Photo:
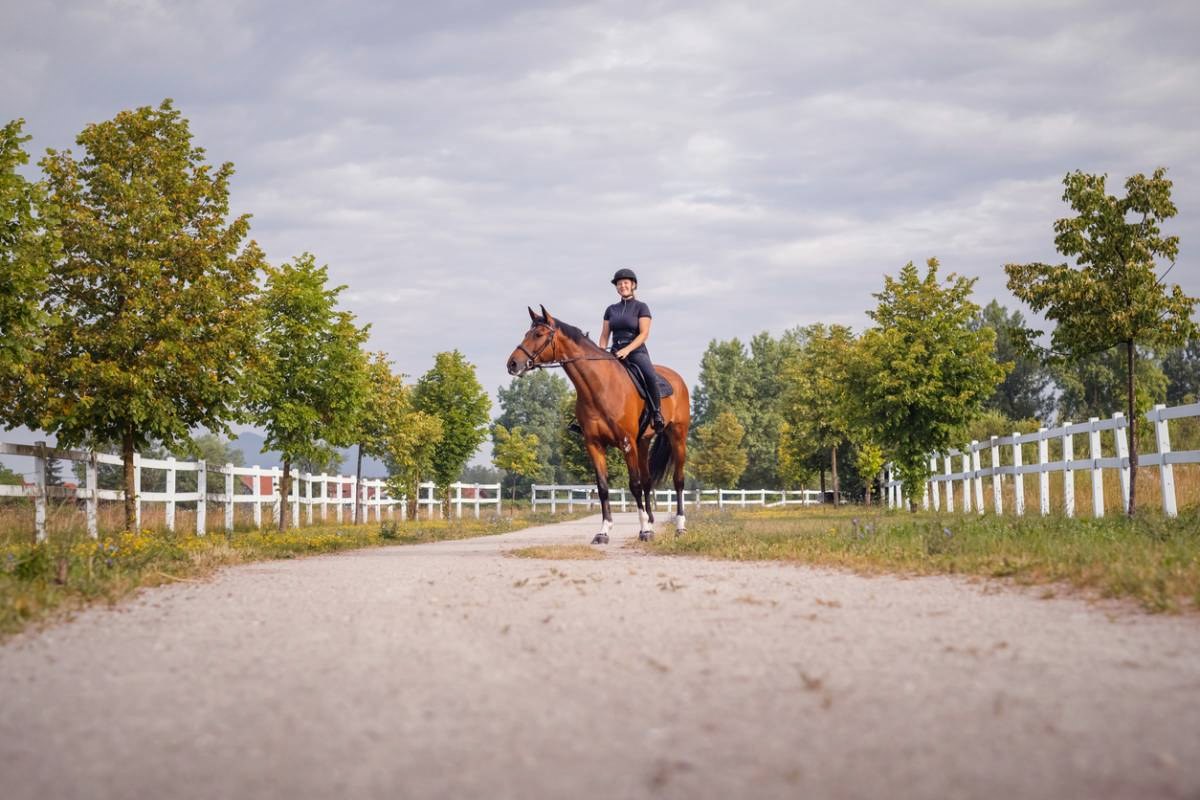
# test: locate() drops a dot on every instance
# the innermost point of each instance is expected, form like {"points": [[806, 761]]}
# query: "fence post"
{"points": [[137, 490], [937, 486], [458, 487], [294, 499], [201, 497], [1018, 476], [324, 497], [93, 497], [1121, 437], [1043, 473], [975, 466], [946, 469], [477, 500], [924, 495], [1068, 454], [257, 477], [554, 500], [997, 495], [170, 510], [276, 501], [1097, 473], [39, 488], [966, 481], [1166, 472], [229, 497], [341, 497], [309, 496]]}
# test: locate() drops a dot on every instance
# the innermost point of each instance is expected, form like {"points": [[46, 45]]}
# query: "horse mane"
{"points": [[579, 337]]}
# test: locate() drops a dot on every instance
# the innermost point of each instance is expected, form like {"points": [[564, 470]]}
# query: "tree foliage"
{"points": [[1094, 385], [922, 372], [153, 300], [28, 245], [313, 382], [450, 392], [1114, 294], [534, 404], [1182, 370], [515, 452], [1025, 391], [718, 458]]}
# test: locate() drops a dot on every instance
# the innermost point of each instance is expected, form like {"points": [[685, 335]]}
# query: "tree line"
{"points": [[134, 310]]}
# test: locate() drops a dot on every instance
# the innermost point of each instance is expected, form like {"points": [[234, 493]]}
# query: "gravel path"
{"points": [[449, 670]]}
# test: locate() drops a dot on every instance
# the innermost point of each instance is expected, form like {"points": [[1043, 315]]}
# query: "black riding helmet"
{"points": [[623, 273]]}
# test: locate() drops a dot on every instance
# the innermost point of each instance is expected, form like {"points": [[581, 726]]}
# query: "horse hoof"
{"points": [[646, 536], [600, 538]]}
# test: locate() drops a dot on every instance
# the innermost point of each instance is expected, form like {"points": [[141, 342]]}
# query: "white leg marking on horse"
{"points": [[606, 528], [680, 523], [643, 520]]}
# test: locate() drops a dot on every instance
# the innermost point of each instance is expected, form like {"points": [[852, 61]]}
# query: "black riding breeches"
{"points": [[641, 359]]}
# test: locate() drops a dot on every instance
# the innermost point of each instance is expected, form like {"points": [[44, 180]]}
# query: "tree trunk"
{"points": [[822, 484], [1133, 452], [131, 499], [285, 490], [833, 469], [358, 489]]}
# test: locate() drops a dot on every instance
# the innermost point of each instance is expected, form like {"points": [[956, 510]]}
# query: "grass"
{"points": [[1152, 559], [566, 552], [71, 570]]}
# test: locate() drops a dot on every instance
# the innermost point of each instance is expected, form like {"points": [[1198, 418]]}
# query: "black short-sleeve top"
{"points": [[622, 318]]}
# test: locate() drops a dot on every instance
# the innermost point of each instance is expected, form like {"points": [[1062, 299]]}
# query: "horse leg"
{"points": [[647, 483], [600, 462], [639, 484], [679, 443]]}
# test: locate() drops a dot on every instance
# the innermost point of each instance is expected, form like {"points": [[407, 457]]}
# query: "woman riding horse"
{"points": [[609, 412]]}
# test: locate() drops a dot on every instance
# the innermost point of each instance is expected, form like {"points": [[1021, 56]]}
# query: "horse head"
{"points": [[537, 348]]}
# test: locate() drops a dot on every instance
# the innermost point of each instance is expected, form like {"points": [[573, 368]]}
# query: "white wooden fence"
{"points": [[567, 496], [965, 467], [322, 493]]}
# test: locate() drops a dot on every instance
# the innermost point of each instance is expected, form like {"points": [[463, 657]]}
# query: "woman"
{"points": [[628, 320]]}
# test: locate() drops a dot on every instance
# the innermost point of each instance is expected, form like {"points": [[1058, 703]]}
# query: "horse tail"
{"points": [[661, 457]]}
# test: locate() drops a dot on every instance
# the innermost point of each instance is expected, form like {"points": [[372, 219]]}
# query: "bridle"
{"points": [[531, 362]]}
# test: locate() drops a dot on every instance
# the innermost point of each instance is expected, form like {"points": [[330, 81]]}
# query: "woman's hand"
{"points": [[624, 351]]}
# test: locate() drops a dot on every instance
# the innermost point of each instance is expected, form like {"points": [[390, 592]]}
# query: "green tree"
{"points": [[813, 398], [1094, 385], [451, 392], [719, 459], [516, 453], [921, 372], [724, 382], [1116, 295], [1182, 369], [576, 463], [1025, 391], [312, 384], [409, 442], [28, 245], [533, 403], [10, 478], [154, 297], [214, 450]]}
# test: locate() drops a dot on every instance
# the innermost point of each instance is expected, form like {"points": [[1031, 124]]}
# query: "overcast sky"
{"points": [[760, 165]]}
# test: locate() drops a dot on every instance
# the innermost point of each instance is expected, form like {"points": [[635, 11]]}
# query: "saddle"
{"points": [[664, 388]]}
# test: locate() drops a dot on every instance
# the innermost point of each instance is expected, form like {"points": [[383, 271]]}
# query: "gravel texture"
{"points": [[450, 670]]}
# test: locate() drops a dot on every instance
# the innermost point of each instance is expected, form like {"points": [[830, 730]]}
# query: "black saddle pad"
{"points": [[664, 388]]}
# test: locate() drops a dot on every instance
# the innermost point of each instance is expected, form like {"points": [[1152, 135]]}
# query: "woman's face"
{"points": [[625, 287]]}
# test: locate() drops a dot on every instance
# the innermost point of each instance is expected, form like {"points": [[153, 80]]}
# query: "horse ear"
{"points": [[532, 314], [546, 315]]}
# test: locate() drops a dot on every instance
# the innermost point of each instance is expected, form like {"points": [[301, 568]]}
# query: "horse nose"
{"points": [[512, 366]]}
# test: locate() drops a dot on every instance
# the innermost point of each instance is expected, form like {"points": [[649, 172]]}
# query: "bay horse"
{"points": [[609, 410]]}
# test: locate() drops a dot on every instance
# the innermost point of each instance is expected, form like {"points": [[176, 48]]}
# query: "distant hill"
{"points": [[251, 445]]}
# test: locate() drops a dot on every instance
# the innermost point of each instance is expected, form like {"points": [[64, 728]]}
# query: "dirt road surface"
{"points": [[451, 670]]}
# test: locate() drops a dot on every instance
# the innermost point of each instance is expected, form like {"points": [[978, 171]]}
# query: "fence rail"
{"points": [[965, 468], [555, 495], [322, 493]]}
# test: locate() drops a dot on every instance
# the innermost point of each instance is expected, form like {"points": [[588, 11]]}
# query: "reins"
{"points": [[531, 358]]}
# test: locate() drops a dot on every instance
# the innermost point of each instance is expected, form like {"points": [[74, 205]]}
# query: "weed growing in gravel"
{"points": [[1152, 559], [558, 551]]}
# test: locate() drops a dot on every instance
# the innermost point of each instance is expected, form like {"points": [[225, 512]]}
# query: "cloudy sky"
{"points": [[761, 165]]}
